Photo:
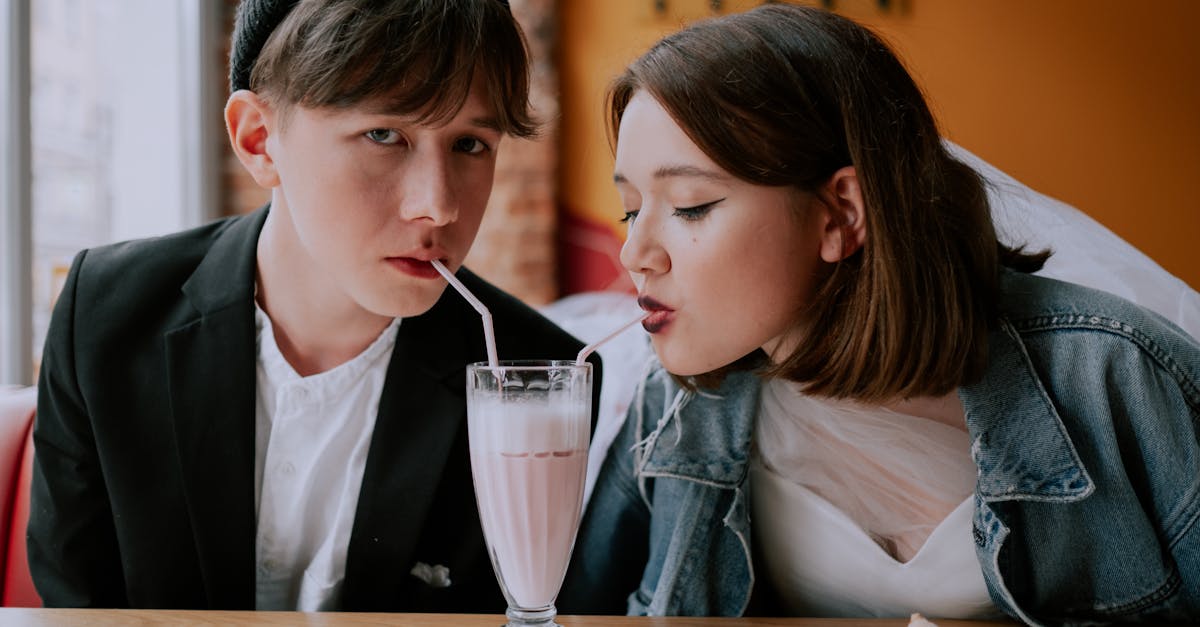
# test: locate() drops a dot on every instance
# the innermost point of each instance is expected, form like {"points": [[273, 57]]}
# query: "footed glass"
{"points": [[529, 426]]}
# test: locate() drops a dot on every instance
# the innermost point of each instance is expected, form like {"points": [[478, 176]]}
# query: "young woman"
{"points": [[865, 405]]}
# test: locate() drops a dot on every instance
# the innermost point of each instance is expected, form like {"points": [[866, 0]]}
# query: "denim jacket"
{"points": [[1085, 430]]}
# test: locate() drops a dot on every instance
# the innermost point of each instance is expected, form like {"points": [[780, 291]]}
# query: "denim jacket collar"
{"points": [[1018, 440], [710, 441]]}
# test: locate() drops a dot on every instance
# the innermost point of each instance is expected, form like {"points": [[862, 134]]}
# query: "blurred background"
{"points": [[112, 128]]}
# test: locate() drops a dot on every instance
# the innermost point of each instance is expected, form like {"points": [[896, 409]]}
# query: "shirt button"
{"points": [[287, 468], [269, 565]]}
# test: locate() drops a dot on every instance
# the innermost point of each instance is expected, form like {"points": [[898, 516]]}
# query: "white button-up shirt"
{"points": [[312, 435]]}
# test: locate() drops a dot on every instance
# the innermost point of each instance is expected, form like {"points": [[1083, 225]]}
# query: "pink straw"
{"points": [[587, 350], [489, 335]]}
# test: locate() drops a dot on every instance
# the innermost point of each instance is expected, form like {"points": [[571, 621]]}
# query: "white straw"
{"points": [[587, 350], [489, 336]]}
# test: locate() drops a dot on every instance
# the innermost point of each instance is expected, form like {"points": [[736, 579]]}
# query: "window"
{"points": [[121, 116]]}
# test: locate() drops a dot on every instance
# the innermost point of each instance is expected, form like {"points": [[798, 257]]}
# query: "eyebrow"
{"points": [[674, 171], [489, 122]]}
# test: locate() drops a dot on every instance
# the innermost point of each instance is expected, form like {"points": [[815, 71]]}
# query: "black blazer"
{"points": [[143, 480]]}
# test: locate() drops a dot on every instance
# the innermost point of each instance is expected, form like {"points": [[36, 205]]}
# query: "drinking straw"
{"points": [[489, 335], [587, 350]]}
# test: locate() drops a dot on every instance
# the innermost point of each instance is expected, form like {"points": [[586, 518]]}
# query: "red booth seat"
{"points": [[17, 409]]}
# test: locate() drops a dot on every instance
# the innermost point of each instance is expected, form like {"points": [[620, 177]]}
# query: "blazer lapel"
{"points": [[421, 411], [211, 373]]}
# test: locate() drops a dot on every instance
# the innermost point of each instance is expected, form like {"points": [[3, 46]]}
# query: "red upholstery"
{"points": [[17, 409]]}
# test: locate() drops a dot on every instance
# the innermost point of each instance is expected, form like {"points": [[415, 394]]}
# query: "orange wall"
{"points": [[1094, 102]]}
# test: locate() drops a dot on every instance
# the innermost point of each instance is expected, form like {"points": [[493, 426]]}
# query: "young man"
{"points": [[268, 412]]}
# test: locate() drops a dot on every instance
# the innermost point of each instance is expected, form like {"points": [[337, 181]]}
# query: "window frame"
{"points": [[16, 210]]}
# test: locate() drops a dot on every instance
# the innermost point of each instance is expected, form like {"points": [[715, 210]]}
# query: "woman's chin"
{"points": [[682, 365], [692, 358]]}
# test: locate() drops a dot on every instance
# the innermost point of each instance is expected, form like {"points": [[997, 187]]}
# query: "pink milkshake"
{"points": [[528, 459]]}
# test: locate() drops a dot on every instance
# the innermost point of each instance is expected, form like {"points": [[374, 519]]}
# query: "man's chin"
{"points": [[407, 305]]}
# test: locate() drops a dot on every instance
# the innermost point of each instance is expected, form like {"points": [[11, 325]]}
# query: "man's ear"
{"points": [[845, 227], [248, 120]]}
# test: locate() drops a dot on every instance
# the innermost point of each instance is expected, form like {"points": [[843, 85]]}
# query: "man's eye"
{"points": [[470, 145], [630, 216], [384, 136]]}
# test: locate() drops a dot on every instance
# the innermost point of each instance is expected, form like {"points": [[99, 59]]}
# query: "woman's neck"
{"points": [[946, 409]]}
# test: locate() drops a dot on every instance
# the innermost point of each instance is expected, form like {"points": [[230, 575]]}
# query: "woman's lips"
{"points": [[660, 315], [414, 267], [657, 320]]}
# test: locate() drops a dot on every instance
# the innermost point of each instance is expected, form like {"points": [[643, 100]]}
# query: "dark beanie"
{"points": [[253, 25]]}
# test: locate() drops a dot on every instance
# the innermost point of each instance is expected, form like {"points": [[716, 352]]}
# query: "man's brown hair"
{"points": [[404, 56], [786, 96]]}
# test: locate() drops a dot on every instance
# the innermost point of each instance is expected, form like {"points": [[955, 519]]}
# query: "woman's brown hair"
{"points": [[406, 56], [785, 96]]}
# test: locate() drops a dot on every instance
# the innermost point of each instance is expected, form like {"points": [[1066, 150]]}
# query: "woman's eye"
{"points": [[384, 136], [696, 212], [629, 217], [470, 145]]}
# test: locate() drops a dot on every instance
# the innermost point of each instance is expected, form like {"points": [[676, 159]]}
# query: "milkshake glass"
{"points": [[529, 424]]}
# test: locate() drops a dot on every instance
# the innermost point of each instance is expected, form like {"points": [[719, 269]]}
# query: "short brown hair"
{"points": [[787, 95], [416, 56]]}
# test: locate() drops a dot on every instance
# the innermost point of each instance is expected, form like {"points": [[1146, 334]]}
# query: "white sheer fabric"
{"points": [[862, 511], [896, 476], [819, 563], [1085, 251]]}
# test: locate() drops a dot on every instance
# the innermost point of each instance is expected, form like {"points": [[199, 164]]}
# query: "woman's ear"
{"points": [[845, 227], [248, 120]]}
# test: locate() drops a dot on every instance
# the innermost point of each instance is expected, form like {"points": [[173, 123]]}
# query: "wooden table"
{"points": [[27, 617]]}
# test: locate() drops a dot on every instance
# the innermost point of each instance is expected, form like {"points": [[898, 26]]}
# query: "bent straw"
{"points": [[489, 336], [587, 350]]}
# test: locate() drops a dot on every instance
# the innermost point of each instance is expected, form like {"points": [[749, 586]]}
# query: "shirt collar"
{"points": [[331, 381]]}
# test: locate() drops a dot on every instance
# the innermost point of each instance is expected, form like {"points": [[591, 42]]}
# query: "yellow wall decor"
{"points": [[1093, 102]]}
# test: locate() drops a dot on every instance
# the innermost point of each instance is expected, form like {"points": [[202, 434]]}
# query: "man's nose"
{"points": [[428, 193]]}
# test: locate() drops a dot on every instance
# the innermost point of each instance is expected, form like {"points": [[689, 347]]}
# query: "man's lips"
{"points": [[420, 268], [660, 314]]}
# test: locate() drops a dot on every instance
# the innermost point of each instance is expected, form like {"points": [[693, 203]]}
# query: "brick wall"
{"points": [[515, 248], [516, 245]]}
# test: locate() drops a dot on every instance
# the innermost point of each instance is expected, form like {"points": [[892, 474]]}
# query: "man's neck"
{"points": [[317, 325]]}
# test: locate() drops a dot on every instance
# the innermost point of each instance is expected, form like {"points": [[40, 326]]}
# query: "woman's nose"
{"points": [[643, 253]]}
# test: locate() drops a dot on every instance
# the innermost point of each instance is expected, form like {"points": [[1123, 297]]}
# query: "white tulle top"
{"points": [[861, 511]]}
